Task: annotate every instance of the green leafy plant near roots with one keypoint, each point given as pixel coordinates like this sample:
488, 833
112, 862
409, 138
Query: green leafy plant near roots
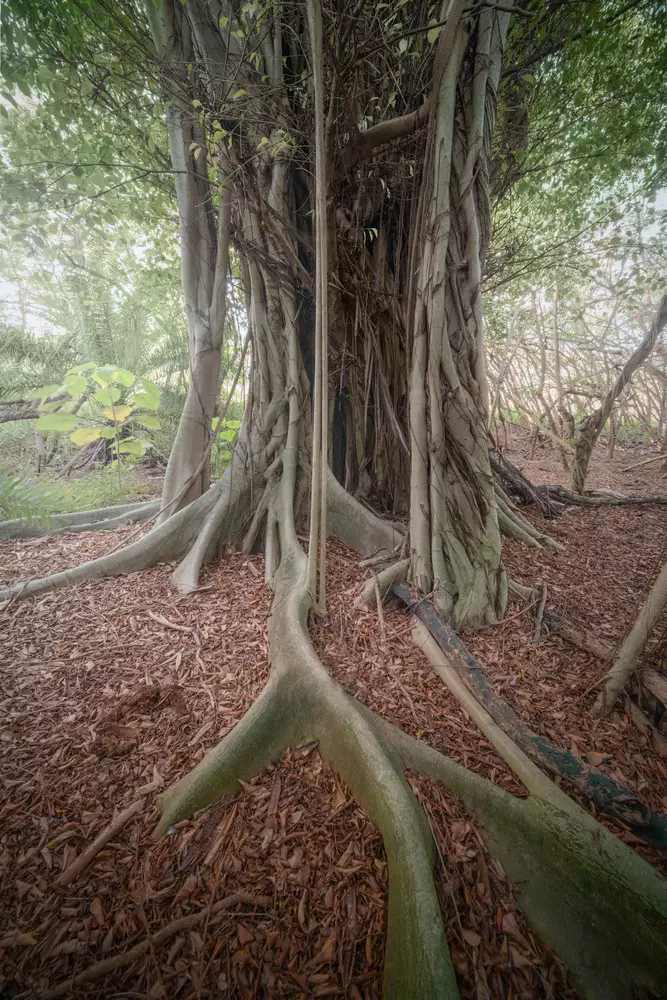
100, 402
362, 220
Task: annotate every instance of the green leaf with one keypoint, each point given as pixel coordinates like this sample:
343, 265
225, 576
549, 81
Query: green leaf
57, 422
144, 400
42, 393
103, 375
81, 368
75, 384
228, 435
108, 432
132, 448
239, 93
433, 35
403, 45
150, 387
82, 435
118, 413
107, 397
123, 377
152, 423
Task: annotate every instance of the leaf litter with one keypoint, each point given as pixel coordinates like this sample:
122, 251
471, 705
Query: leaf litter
112, 690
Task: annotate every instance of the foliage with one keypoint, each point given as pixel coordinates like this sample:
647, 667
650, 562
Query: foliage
224, 436
100, 402
25, 498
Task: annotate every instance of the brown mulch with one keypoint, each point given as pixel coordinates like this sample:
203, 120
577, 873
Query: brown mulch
117, 684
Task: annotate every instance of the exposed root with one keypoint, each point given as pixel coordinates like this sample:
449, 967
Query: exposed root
523, 593
127, 958
267, 728
384, 581
512, 529
301, 702
357, 526
514, 525
102, 519
466, 679
575, 881
166, 542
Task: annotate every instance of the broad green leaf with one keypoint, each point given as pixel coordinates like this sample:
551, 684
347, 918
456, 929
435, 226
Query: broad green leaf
239, 93
81, 368
150, 387
123, 377
117, 413
106, 397
132, 448
75, 384
57, 422
42, 393
82, 435
233, 423
145, 401
108, 432
228, 435
149, 421
103, 375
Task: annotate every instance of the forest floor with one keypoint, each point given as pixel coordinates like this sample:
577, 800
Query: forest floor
120, 684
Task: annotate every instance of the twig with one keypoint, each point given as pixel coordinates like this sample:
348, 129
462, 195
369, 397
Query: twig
167, 624
378, 598
126, 958
539, 614
107, 834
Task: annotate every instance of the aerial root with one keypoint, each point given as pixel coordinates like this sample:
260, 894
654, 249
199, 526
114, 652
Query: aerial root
514, 525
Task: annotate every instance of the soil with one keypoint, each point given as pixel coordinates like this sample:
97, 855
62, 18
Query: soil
119, 684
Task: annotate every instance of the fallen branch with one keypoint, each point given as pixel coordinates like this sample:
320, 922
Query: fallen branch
649, 686
606, 794
127, 958
646, 461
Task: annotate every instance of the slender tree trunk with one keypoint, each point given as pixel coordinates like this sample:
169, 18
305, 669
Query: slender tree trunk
627, 658
589, 429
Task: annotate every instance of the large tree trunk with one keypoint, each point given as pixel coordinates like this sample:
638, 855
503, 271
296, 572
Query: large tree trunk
239, 81
588, 430
454, 533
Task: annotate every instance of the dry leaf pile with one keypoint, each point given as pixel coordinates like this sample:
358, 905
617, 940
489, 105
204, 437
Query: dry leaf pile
112, 690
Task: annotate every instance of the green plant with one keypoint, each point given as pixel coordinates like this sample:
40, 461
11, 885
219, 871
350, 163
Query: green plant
25, 498
223, 442
103, 402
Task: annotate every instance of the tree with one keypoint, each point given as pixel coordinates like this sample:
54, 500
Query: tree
392, 202
588, 430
